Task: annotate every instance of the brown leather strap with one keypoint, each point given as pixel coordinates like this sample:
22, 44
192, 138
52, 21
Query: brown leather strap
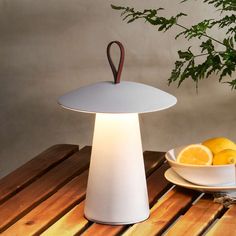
116, 73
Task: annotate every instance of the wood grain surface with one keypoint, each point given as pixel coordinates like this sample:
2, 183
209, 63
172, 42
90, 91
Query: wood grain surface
26, 174
163, 213
197, 218
28, 198
226, 226
46, 197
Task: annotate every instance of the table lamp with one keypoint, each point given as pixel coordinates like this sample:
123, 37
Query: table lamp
116, 190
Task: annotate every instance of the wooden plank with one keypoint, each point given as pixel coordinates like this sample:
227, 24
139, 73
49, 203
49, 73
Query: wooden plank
163, 213
157, 184
42, 188
26, 174
226, 225
197, 218
152, 160
68, 226
101, 230
50, 210
74, 217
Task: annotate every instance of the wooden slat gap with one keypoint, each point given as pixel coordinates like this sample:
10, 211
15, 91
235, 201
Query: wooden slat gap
221, 214
204, 207
174, 219
210, 227
201, 196
23, 213
40, 174
215, 221
47, 195
62, 213
80, 232
172, 225
164, 194
58, 204
159, 195
212, 222
164, 212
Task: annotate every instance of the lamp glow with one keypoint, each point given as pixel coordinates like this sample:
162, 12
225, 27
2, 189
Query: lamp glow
117, 192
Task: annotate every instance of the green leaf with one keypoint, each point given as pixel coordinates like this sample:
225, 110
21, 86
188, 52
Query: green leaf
222, 63
117, 7
207, 46
187, 55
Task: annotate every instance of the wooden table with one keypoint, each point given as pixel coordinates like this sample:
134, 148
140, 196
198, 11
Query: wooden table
46, 197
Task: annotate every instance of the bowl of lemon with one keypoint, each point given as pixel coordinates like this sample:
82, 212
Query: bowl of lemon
210, 163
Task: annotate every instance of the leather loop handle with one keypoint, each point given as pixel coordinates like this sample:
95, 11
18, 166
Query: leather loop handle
116, 72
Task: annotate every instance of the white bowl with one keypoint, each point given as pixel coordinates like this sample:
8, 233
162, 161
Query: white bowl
202, 175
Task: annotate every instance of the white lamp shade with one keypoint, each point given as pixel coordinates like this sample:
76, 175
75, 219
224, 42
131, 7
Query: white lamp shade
124, 97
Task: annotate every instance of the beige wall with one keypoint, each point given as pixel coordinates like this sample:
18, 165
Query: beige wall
50, 47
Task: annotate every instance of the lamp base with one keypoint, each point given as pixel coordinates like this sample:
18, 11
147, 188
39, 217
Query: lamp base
117, 223
117, 191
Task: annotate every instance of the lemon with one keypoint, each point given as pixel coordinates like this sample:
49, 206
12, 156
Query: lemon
218, 144
195, 154
227, 156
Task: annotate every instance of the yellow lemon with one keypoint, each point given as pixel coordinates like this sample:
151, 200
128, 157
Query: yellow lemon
227, 156
218, 144
195, 154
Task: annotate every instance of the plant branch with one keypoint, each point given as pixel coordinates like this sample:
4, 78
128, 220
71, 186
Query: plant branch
222, 63
205, 35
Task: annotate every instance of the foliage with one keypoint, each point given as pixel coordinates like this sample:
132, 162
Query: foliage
221, 62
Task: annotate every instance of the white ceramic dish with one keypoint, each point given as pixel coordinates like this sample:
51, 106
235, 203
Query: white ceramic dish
217, 175
174, 178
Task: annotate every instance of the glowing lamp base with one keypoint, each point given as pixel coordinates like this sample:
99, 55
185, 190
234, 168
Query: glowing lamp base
117, 191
